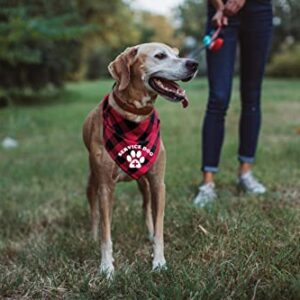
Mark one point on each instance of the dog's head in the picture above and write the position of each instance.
(151, 69)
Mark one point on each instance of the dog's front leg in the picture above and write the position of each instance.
(91, 192)
(158, 207)
(105, 194)
(144, 187)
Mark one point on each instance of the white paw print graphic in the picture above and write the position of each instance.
(135, 159)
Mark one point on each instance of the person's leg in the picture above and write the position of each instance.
(220, 67)
(255, 37)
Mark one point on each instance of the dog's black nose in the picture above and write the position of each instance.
(192, 65)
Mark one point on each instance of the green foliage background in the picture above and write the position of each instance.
(44, 43)
(39, 44)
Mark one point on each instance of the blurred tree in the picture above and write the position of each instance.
(114, 20)
(39, 44)
(191, 17)
(285, 52)
(156, 28)
(286, 24)
(115, 31)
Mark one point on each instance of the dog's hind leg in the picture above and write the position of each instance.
(91, 193)
(144, 187)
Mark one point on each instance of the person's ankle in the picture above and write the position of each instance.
(208, 178)
(244, 168)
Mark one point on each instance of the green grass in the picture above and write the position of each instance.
(252, 246)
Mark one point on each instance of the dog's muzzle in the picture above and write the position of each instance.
(170, 89)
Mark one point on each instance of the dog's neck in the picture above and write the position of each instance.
(135, 107)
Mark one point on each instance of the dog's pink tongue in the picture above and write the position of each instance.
(185, 102)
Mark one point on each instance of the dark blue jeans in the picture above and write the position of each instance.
(251, 28)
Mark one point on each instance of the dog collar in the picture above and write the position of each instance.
(143, 111)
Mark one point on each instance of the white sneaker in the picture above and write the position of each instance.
(207, 194)
(250, 184)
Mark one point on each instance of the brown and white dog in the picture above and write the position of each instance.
(141, 73)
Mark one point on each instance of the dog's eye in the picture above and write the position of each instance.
(160, 55)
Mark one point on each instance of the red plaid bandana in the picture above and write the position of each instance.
(133, 146)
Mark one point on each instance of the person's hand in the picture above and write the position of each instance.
(219, 19)
(233, 6)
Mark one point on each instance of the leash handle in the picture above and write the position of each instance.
(216, 33)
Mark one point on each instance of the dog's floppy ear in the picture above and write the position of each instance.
(119, 69)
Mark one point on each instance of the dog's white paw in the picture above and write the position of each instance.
(107, 270)
(159, 265)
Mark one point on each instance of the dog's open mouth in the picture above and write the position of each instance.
(169, 89)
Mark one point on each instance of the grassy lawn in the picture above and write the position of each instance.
(252, 245)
